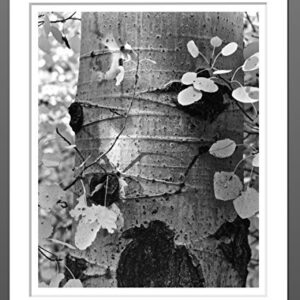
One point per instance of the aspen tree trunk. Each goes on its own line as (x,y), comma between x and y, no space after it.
(174,234)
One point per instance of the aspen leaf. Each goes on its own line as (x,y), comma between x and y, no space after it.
(227,186)
(216,41)
(219,72)
(49,195)
(255,161)
(46,25)
(75,43)
(45,229)
(73,283)
(247,204)
(57,34)
(188,78)
(246,94)
(106,217)
(86,234)
(120,75)
(91,219)
(205,85)
(229,49)
(193,49)
(55,281)
(223,148)
(251,63)
(189,96)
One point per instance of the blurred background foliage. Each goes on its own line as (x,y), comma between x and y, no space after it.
(58,74)
(59,51)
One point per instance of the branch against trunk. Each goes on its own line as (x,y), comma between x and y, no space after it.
(167,240)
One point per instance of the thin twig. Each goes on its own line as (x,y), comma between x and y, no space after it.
(62,20)
(250,22)
(68,142)
(116,138)
(202,150)
(43,250)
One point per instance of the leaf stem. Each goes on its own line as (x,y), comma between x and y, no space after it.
(242,161)
(237,69)
(68,142)
(69,271)
(203,56)
(215,60)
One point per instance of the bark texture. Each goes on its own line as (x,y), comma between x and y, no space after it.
(174,234)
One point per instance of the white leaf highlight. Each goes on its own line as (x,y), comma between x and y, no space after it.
(229,49)
(246,94)
(216,41)
(189,96)
(193,49)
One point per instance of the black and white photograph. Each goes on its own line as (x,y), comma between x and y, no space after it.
(148,149)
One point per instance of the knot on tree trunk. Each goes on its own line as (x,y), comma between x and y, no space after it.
(151,259)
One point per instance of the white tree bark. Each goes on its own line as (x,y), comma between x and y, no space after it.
(158,150)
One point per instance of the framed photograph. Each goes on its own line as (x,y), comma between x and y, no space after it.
(155,133)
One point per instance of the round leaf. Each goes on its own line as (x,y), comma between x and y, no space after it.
(73,283)
(227,186)
(246,94)
(193,49)
(205,85)
(252,63)
(255,161)
(223,148)
(188,78)
(189,96)
(247,204)
(216,41)
(219,72)
(229,49)
(57,34)
(92,218)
